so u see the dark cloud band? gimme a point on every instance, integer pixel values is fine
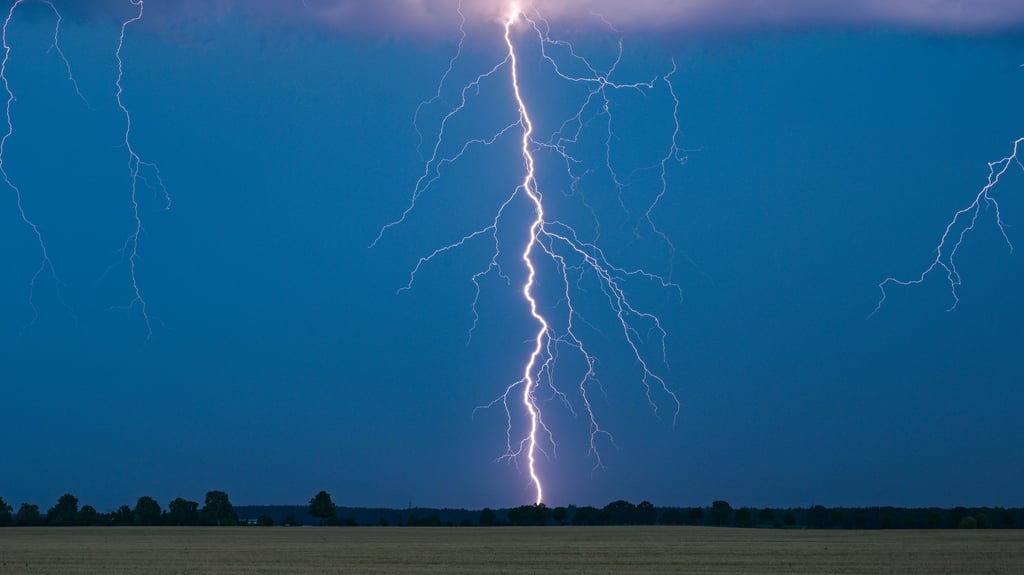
(426, 17)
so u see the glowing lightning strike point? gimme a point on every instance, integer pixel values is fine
(135, 165)
(553, 241)
(952, 238)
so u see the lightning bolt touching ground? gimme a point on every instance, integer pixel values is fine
(552, 252)
(135, 167)
(962, 223)
(45, 264)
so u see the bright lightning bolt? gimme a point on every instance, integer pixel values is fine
(554, 252)
(962, 223)
(46, 264)
(529, 185)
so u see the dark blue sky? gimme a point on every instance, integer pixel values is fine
(282, 361)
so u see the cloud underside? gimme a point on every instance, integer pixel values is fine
(939, 15)
(427, 17)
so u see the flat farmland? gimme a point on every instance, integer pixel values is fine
(405, 550)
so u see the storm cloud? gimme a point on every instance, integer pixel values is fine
(938, 15)
(429, 17)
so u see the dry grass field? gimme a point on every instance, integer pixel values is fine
(562, 550)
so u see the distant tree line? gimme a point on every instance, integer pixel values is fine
(721, 513)
(218, 510)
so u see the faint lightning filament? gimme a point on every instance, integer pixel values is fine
(962, 223)
(130, 248)
(45, 264)
(135, 166)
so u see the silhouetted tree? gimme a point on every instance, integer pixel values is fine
(28, 515)
(721, 512)
(673, 516)
(956, 515)
(540, 514)
(909, 519)
(218, 510)
(322, 507)
(766, 515)
(147, 511)
(182, 512)
(743, 517)
(1006, 520)
(695, 515)
(6, 513)
(518, 515)
(527, 515)
(836, 518)
(560, 514)
(265, 521)
(983, 521)
(585, 515)
(646, 513)
(968, 522)
(488, 517)
(619, 513)
(788, 518)
(87, 515)
(818, 517)
(123, 516)
(64, 512)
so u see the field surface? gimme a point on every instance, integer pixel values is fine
(403, 550)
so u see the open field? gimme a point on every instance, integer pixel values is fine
(404, 550)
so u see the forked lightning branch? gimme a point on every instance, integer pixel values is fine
(137, 167)
(557, 268)
(554, 252)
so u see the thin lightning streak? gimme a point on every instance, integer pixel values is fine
(135, 162)
(432, 170)
(550, 241)
(962, 223)
(46, 264)
(135, 165)
(440, 85)
(56, 47)
(674, 154)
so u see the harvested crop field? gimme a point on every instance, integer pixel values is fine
(403, 550)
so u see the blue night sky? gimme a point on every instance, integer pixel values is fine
(825, 152)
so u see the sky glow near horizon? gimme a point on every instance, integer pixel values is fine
(830, 149)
